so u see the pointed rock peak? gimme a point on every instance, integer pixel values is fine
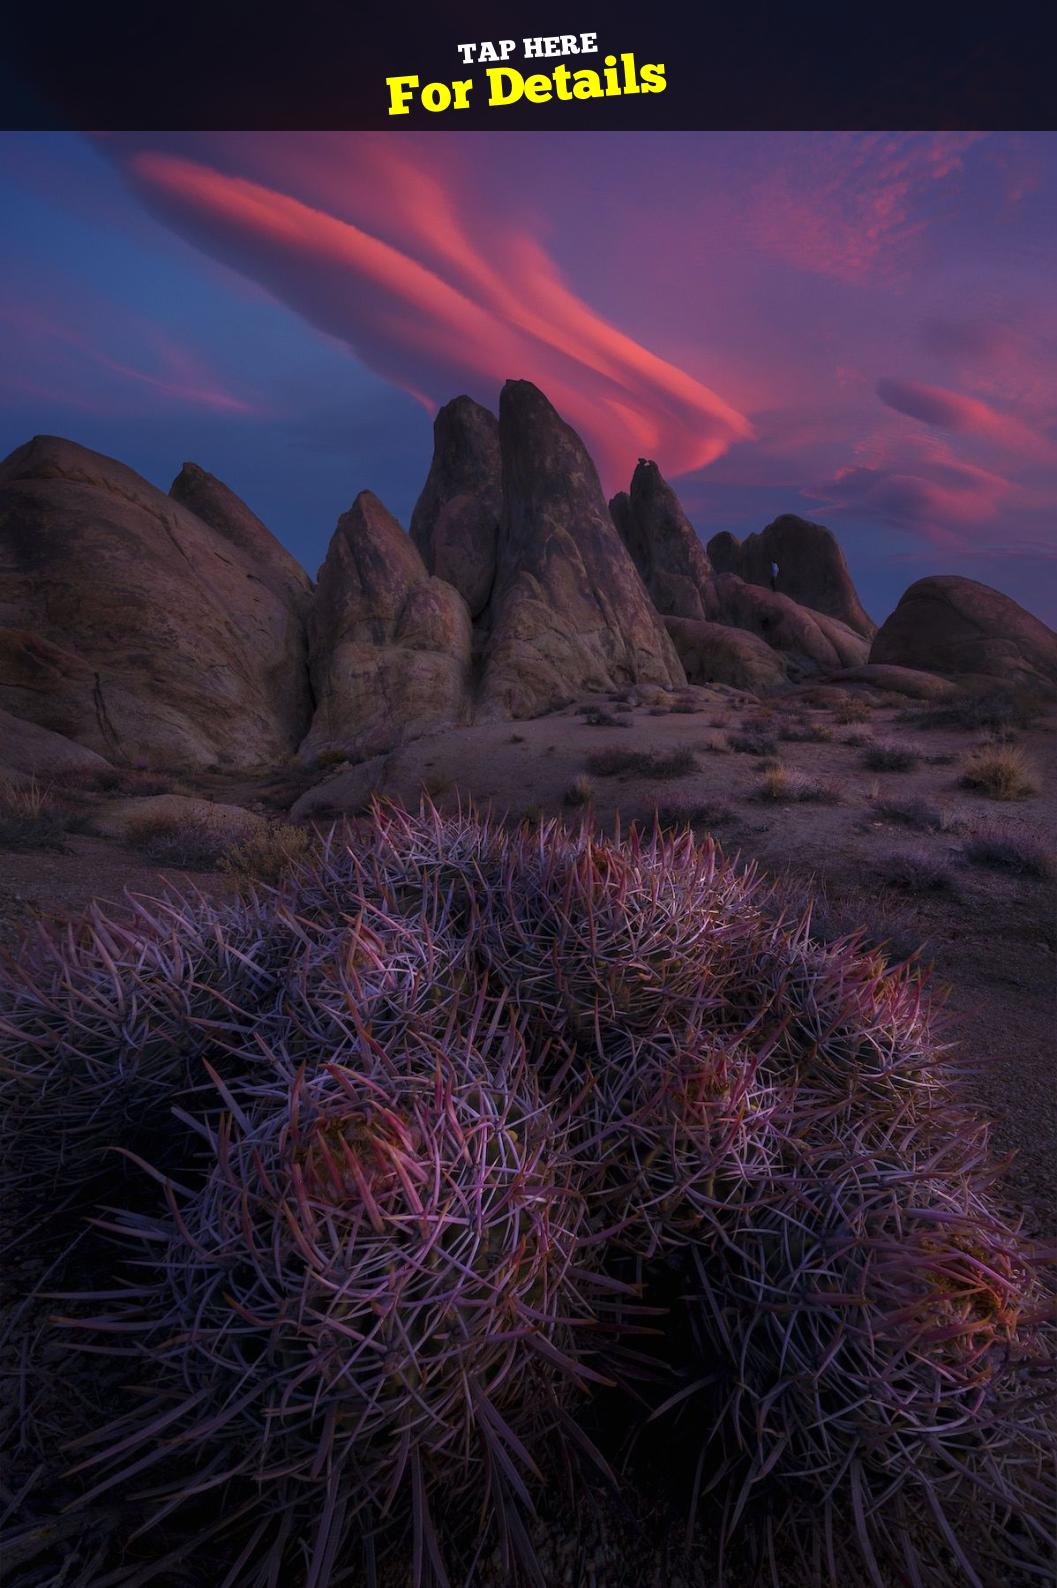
(369, 568)
(464, 435)
(663, 543)
(390, 646)
(217, 505)
(544, 459)
(369, 521)
(455, 519)
(522, 406)
(569, 612)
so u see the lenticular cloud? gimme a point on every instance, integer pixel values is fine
(435, 294)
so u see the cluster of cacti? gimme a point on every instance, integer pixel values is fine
(440, 1109)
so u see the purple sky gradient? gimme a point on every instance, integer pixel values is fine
(861, 328)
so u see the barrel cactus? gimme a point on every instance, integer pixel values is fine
(444, 1105)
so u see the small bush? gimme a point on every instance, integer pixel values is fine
(751, 742)
(782, 785)
(847, 712)
(919, 814)
(856, 740)
(916, 871)
(267, 854)
(998, 771)
(694, 813)
(191, 842)
(997, 710)
(125, 780)
(642, 763)
(803, 732)
(29, 818)
(890, 758)
(579, 793)
(1019, 853)
(596, 717)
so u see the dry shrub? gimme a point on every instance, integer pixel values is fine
(998, 771)
(751, 741)
(916, 871)
(267, 852)
(694, 813)
(29, 817)
(890, 758)
(847, 712)
(642, 763)
(998, 710)
(1020, 853)
(782, 785)
(579, 793)
(195, 841)
(598, 717)
(918, 813)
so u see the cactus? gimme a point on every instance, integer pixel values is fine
(384, 1287)
(447, 1099)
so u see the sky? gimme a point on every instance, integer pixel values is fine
(857, 327)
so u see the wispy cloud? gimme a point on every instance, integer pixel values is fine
(456, 302)
(76, 357)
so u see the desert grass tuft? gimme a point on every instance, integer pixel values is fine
(1022, 854)
(642, 763)
(579, 793)
(30, 817)
(998, 771)
(782, 785)
(916, 871)
(890, 757)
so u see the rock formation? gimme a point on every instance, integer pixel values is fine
(811, 641)
(954, 626)
(135, 627)
(456, 518)
(713, 653)
(811, 567)
(907, 681)
(389, 645)
(684, 585)
(25, 747)
(569, 613)
(217, 505)
(176, 631)
(663, 543)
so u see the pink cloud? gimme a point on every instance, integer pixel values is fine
(948, 410)
(458, 299)
(851, 204)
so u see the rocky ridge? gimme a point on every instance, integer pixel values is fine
(175, 630)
